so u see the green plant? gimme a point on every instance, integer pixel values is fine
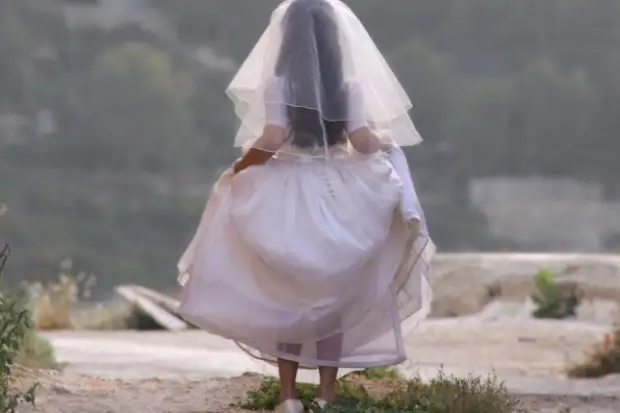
(604, 360)
(552, 299)
(15, 324)
(441, 395)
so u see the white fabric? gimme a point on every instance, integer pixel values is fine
(312, 254)
(304, 37)
(410, 203)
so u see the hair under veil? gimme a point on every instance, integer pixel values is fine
(317, 66)
(312, 24)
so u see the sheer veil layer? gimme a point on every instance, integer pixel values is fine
(295, 44)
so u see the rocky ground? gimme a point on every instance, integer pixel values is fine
(78, 394)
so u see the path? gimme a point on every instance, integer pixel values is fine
(529, 356)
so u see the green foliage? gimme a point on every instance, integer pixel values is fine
(137, 111)
(441, 395)
(135, 219)
(14, 327)
(13, 49)
(523, 110)
(551, 299)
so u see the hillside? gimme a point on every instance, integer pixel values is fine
(110, 136)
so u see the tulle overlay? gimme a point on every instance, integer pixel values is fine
(292, 52)
(309, 261)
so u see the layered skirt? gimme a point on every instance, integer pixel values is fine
(309, 261)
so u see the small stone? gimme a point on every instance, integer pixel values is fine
(60, 389)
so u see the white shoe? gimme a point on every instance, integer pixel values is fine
(290, 406)
(320, 402)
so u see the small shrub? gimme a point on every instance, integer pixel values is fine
(15, 324)
(52, 304)
(553, 300)
(604, 360)
(35, 352)
(442, 395)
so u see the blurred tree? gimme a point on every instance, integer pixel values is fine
(489, 37)
(136, 113)
(535, 122)
(214, 119)
(219, 24)
(426, 75)
(14, 53)
(385, 20)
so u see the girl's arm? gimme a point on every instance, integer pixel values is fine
(262, 149)
(364, 141)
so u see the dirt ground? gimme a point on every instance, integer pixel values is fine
(78, 394)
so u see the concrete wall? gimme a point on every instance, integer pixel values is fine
(542, 213)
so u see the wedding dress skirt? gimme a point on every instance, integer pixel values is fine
(310, 260)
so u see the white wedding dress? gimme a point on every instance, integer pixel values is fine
(311, 259)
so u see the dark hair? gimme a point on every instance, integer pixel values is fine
(308, 126)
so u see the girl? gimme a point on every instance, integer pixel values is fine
(312, 249)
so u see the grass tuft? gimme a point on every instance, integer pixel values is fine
(363, 393)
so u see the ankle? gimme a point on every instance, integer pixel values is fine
(287, 395)
(326, 395)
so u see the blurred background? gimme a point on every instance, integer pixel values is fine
(114, 124)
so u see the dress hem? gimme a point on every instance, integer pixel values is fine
(305, 363)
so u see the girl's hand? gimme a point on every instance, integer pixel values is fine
(253, 156)
(227, 174)
(387, 144)
(234, 166)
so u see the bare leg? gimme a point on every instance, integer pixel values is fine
(287, 371)
(329, 349)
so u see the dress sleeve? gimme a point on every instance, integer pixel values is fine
(275, 111)
(357, 117)
(410, 206)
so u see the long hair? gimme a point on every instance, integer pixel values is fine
(311, 43)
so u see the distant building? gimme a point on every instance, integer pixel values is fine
(45, 123)
(19, 129)
(14, 129)
(549, 214)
